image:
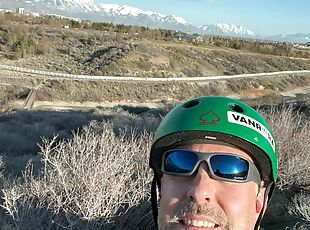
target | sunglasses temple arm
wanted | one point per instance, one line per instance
(254, 174)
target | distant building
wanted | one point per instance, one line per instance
(302, 46)
(35, 14)
(20, 10)
(5, 10)
(56, 16)
(194, 38)
(63, 17)
(188, 37)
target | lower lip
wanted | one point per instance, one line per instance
(187, 227)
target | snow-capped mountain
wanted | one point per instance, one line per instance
(117, 10)
(225, 29)
(134, 16)
(66, 5)
(89, 9)
(128, 15)
(299, 38)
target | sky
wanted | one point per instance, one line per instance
(263, 17)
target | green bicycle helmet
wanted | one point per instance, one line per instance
(216, 118)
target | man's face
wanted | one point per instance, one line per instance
(198, 200)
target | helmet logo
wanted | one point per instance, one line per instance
(241, 119)
(209, 118)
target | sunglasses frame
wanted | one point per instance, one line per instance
(252, 175)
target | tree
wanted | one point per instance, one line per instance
(75, 24)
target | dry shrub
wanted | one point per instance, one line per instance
(96, 180)
(298, 226)
(131, 118)
(100, 178)
(292, 131)
(7, 227)
(45, 46)
(1, 167)
(41, 123)
(300, 207)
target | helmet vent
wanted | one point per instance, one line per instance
(191, 104)
(236, 108)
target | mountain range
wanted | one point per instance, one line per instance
(90, 10)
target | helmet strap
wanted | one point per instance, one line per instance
(154, 201)
(266, 195)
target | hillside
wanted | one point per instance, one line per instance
(48, 149)
(116, 50)
(85, 52)
(106, 49)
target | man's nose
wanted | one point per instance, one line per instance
(203, 187)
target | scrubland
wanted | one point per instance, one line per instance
(89, 169)
(118, 50)
(98, 177)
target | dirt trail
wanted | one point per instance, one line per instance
(70, 94)
(293, 93)
(88, 105)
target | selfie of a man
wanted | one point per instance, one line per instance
(154, 115)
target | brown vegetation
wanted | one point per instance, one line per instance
(108, 91)
(99, 178)
(107, 49)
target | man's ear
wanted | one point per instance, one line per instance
(261, 201)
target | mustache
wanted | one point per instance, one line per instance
(193, 208)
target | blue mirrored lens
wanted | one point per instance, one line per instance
(180, 161)
(229, 167)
